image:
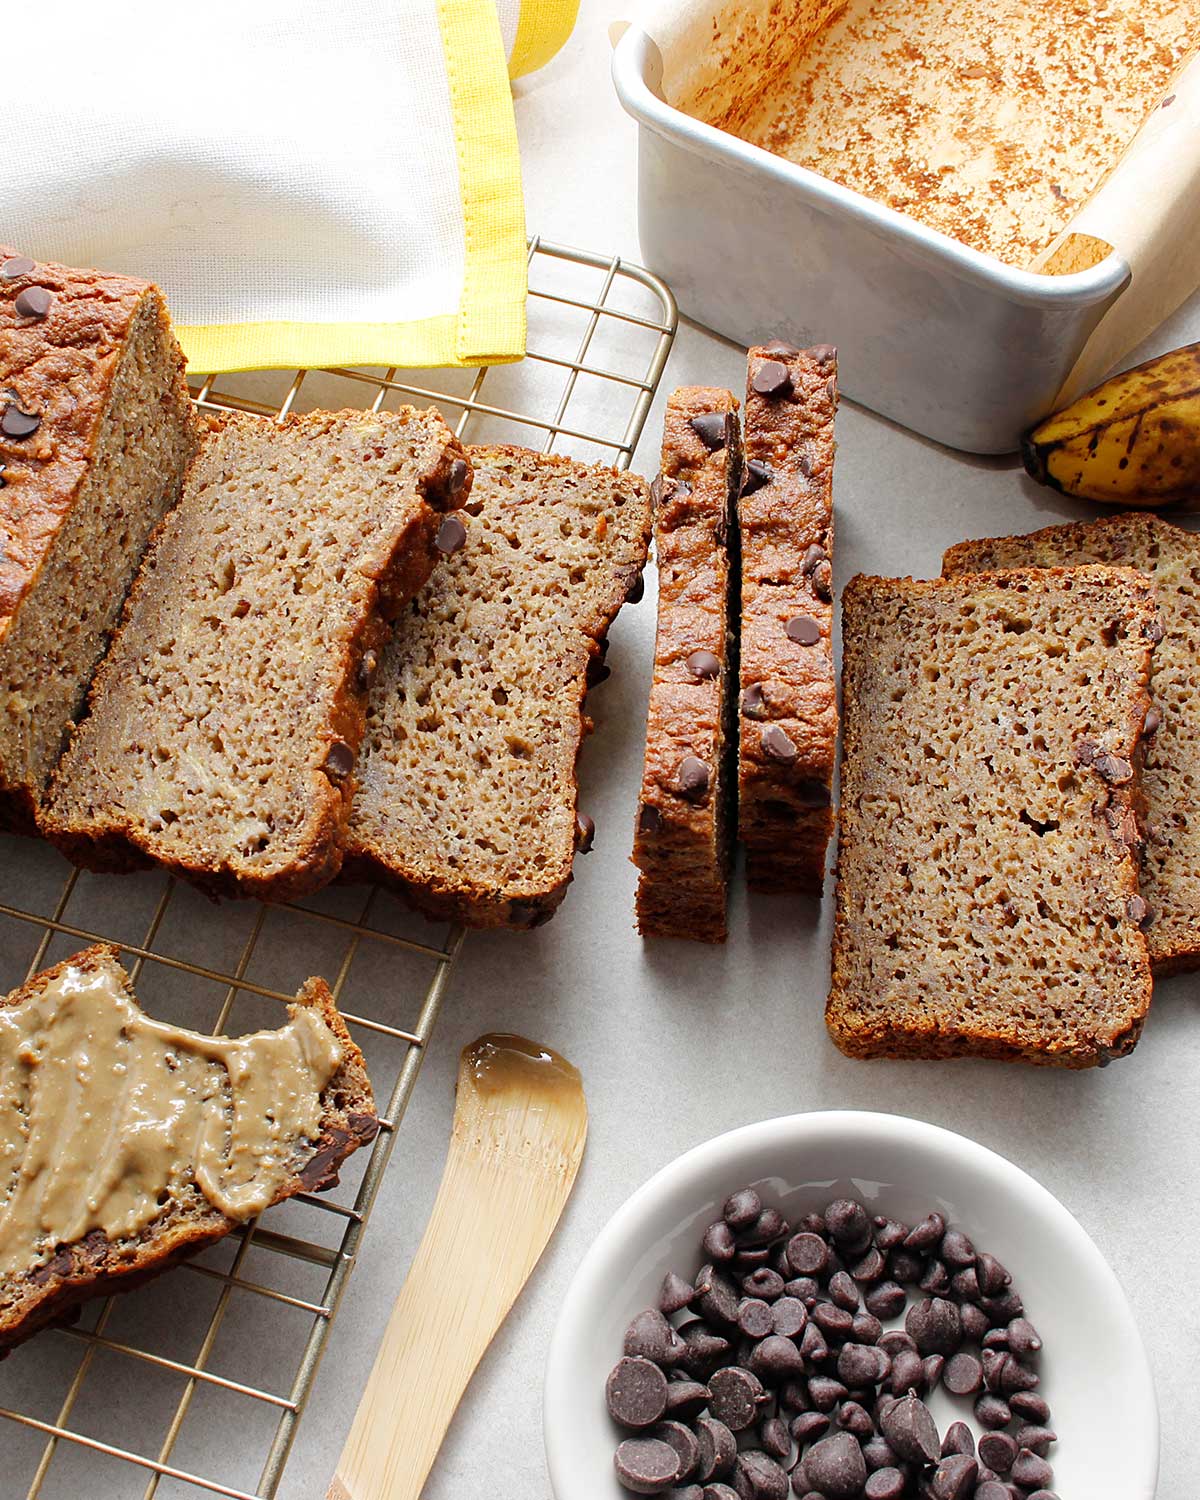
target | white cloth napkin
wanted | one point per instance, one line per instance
(309, 181)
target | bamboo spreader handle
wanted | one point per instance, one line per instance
(520, 1123)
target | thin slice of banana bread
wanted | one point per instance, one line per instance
(96, 429)
(682, 840)
(225, 722)
(467, 795)
(1171, 556)
(987, 899)
(57, 1277)
(787, 732)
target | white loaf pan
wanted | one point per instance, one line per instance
(930, 333)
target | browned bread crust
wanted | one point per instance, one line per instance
(787, 729)
(95, 1265)
(92, 359)
(682, 835)
(283, 587)
(1170, 874)
(987, 897)
(468, 791)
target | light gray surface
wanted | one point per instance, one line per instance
(677, 1043)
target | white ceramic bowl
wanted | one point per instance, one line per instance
(1094, 1370)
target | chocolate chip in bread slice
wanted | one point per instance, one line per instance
(683, 833)
(1170, 873)
(225, 723)
(467, 794)
(787, 726)
(96, 429)
(987, 896)
(225, 1127)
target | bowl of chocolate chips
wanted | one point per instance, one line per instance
(847, 1306)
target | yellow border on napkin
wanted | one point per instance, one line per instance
(542, 28)
(489, 327)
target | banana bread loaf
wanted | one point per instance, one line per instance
(95, 431)
(467, 795)
(1170, 873)
(682, 840)
(787, 731)
(226, 1128)
(225, 722)
(987, 898)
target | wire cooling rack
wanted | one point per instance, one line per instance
(148, 1393)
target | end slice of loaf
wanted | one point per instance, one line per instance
(95, 1265)
(1170, 873)
(467, 785)
(787, 730)
(987, 899)
(96, 429)
(224, 724)
(683, 835)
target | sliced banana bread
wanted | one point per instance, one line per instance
(225, 722)
(987, 899)
(95, 431)
(787, 732)
(682, 841)
(89, 1207)
(467, 789)
(1171, 556)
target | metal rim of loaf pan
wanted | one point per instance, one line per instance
(935, 335)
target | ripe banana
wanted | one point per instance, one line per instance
(1135, 440)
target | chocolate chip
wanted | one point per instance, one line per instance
(992, 1411)
(753, 701)
(885, 1484)
(958, 1439)
(908, 1372)
(737, 1395)
(1153, 631)
(808, 1425)
(849, 1225)
(776, 745)
(742, 1209)
(770, 377)
(861, 1365)
(1036, 1439)
(703, 1350)
(788, 1317)
(1023, 1337)
(936, 1280)
(755, 475)
(692, 778)
(16, 423)
(636, 1393)
(822, 581)
(649, 819)
(1029, 1404)
(636, 591)
(703, 665)
(807, 1254)
(867, 1329)
(650, 1336)
(997, 1450)
(34, 302)
(718, 1448)
(935, 1326)
(768, 1227)
(716, 1297)
(992, 1276)
(963, 1375)
(754, 1318)
(17, 266)
(675, 1294)
(774, 1438)
(823, 353)
(835, 1467)
(647, 1466)
(886, 1300)
(686, 1399)
(685, 1444)
(459, 470)
(451, 534)
(780, 346)
(718, 1242)
(368, 669)
(832, 1320)
(910, 1429)
(956, 1250)
(1115, 769)
(339, 761)
(712, 428)
(764, 1283)
(854, 1417)
(954, 1478)
(812, 557)
(585, 833)
(1152, 721)
(804, 630)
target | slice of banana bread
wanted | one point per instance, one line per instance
(787, 731)
(987, 898)
(96, 429)
(683, 834)
(157, 1220)
(467, 784)
(1171, 556)
(225, 722)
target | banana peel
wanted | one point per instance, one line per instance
(1133, 441)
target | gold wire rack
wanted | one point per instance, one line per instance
(209, 1369)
